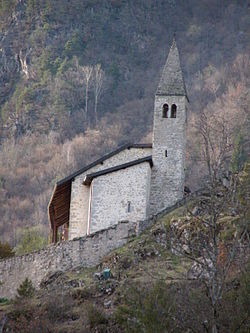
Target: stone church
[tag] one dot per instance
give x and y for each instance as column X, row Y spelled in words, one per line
column 135, row 181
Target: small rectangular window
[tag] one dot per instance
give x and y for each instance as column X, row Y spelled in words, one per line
column 166, row 153
column 129, row 206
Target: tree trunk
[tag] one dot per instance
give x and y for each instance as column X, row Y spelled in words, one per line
column 214, row 322
column 86, row 100
column 96, row 100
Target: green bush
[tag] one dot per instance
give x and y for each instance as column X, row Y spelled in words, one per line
column 3, row 301
column 6, row 250
column 26, row 289
column 74, row 46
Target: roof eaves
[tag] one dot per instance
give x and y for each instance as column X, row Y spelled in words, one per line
column 141, row 145
column 88, row 178
column 98, row 161
column 102, row 159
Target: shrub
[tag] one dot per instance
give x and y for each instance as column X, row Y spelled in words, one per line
column 3, row 301
column 59, row 307
column 26, row 289
column 82, row 294
column 239, row 156
column 6, row 251
column 147, row 310
column 25, row 317
column 96, row 317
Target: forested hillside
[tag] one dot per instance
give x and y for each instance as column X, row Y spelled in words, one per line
column 77, row 78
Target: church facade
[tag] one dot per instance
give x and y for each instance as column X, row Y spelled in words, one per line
column 136, row 181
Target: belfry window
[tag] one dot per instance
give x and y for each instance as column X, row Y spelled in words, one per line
column 173, row 111
column 165, row 111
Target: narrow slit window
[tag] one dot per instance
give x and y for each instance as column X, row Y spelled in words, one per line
column 165, row 111
column 166, row 153
column 173, row 111
column 129, row 206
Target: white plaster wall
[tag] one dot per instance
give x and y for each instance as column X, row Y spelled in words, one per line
column 80, row 193
column 112, row 192
column 167, row 182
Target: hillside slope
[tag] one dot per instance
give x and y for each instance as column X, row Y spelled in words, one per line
column 151, row 289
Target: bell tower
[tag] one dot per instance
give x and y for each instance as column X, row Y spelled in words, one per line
column 169, row 136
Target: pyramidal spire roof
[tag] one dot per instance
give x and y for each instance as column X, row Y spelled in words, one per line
column 171, row 82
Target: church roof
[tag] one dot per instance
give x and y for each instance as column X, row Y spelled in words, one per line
column 88, row 179
column 172, row 82
column 102, row 159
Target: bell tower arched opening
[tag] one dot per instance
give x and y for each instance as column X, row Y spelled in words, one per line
column 165, row 111
column 173, row 111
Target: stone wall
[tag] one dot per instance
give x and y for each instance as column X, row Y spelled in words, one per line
column 79, row 204
column 168, row 172
column 112, row 192
column 85, row 251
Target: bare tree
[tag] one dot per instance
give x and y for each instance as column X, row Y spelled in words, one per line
column 84, row 77
column 98, row 81
column 87, row 73
column 216, row 143
column 201, row 240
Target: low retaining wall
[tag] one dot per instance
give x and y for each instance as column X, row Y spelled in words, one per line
column 84, row 251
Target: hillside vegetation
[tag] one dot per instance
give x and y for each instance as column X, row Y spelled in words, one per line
column 54, row 120
column 152, row 288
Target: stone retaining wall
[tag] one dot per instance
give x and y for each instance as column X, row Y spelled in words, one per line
column 84, row 251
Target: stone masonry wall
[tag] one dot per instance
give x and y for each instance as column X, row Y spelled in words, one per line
column 85, row 251
column 168, row 172
column 112, row 192
column 79, row 204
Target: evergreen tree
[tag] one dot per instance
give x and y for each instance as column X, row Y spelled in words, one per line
column 239, row 155
column 26, row 289
column 6, row 250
